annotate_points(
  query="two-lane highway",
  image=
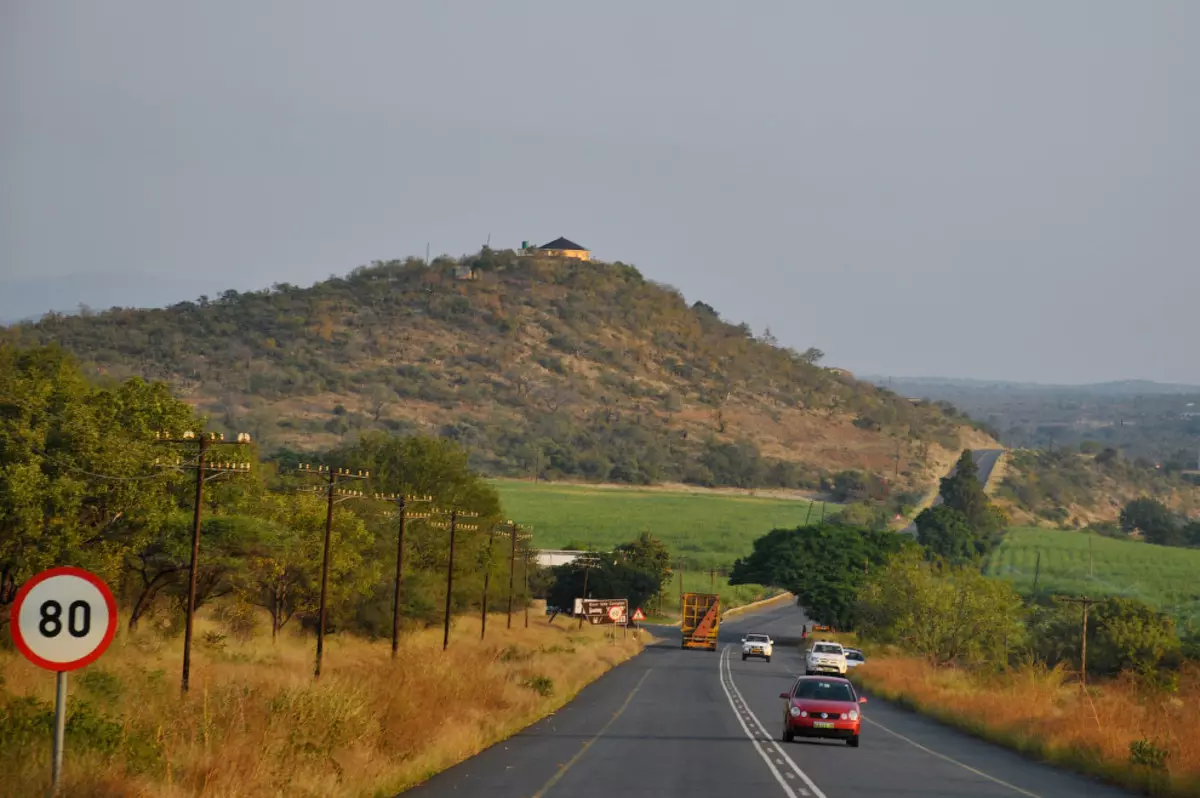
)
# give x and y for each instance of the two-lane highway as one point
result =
(701, 724)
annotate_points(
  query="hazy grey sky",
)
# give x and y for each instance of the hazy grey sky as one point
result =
(1002, 189)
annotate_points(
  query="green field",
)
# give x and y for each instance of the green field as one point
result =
(1076, 562)
(708, 530)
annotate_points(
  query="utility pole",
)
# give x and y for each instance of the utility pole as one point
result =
(587, 562)
(487, 577)
(1037, 571)
(402, 501)
(453, 527)
(525, 569)
(1086, 603)
(204, 441)
(331, 476)
(515, 533)
(712, 579)
(897, 474)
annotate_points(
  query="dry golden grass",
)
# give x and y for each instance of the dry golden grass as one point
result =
(1047, 714)
(256, 723)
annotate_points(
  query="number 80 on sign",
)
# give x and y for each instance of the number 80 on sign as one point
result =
(63, 619)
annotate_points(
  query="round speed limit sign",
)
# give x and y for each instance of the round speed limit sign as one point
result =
(615, 612)
(63, 619)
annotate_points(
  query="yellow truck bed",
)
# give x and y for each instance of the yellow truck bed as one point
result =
(700, 620)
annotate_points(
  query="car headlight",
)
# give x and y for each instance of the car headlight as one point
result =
(854, 714)
(796, 712)
(843, 716)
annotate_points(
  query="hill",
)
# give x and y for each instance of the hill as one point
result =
(1075, 488)
(582, 370)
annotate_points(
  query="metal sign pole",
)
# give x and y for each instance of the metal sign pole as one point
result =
(60, 728)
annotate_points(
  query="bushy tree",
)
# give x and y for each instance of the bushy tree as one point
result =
(1154, 520)
(611, 578)
(946, 533)
(822, 565)
(948, 614)
(1123, 634)
(78, 483)
(649, 554)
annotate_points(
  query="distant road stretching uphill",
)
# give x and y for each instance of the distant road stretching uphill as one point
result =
(985, 461)
(698, 724)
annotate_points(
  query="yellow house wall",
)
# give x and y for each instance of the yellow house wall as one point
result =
(578, 254)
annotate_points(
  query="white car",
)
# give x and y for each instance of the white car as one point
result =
(854, 657)
(757, 645)
(825, 657)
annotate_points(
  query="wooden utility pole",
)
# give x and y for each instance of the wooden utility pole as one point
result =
(514, 533)
(1086, 603)
(587, 562)
(402, 502)
(204, 441)
(453, 527)
(1037, 571)
(332, 476)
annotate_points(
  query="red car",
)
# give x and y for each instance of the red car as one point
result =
(822, 706)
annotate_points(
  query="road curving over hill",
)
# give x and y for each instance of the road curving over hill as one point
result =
(700, 724)
(985, 462)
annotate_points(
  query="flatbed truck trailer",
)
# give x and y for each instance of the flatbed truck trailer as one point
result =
(700, 620)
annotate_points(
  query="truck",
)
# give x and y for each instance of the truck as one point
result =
(700, 620)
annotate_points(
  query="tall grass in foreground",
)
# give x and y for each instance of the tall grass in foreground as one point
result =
(1144, 739)
(257, 724)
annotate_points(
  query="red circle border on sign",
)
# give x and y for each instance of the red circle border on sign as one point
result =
(30, 584)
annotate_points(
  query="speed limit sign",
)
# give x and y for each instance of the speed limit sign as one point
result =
(63, 619)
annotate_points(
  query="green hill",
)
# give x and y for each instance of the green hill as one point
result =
(584, 370)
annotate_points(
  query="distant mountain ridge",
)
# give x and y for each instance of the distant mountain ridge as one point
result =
(1129, 387)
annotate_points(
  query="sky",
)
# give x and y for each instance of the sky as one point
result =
(997, 190)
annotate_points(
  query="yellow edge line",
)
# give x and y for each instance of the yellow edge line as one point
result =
(563, 770)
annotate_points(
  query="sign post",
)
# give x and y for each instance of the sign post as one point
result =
(63, 619)
(638, 617)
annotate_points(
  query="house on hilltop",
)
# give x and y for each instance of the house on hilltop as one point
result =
(564, 248)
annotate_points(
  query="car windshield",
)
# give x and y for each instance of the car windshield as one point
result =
(756, 638)
(824, 691)
(827, 648)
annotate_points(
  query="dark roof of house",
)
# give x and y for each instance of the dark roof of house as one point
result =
(562, 243)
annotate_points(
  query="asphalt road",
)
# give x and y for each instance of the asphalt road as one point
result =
(706, 725)
(985, 461)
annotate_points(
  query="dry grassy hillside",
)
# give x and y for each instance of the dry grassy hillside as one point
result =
(576, 370)
(1077, 489)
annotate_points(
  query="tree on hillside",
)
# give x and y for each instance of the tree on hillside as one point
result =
(947, 615)
(1154, 520)
(822, 565)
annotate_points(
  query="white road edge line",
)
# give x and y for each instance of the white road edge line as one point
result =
(774, 744)
(757, 745)
(930, 751)
(767, 735)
